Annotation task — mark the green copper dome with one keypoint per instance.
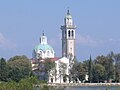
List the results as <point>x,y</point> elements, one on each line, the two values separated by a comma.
<point>43,47</point>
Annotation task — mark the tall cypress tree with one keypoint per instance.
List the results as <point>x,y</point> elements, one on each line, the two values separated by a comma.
<point>3,70</point>
<point>90,70</point>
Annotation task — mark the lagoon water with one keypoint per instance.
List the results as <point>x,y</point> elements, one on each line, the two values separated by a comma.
<point>93,88</point>
<point>83,88</point>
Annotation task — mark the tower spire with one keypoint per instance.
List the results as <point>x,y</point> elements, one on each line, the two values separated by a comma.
<point>43,33</point>
<point>68,12</point>
<point>68,36</point>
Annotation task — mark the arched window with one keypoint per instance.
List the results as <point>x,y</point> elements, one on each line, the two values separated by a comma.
<point>48,53</point>
<point>69,33</point>
<point>40,54</point>
<point>72,33</point>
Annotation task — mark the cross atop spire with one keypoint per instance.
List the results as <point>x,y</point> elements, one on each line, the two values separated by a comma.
<point>43,33</point>
<point>68,12</point>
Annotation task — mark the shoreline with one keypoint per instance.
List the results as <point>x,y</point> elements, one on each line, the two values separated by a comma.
<point>83,84</point>
<point>77,84</point>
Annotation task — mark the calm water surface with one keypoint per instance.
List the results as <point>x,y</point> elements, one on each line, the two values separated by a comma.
<point>83,88</point>
<point>93,88</point>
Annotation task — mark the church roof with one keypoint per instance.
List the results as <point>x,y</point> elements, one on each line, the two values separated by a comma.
<point>43,47</point>
<point>64,60</point>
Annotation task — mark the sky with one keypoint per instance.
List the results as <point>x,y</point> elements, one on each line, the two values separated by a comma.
<point>23,21</point>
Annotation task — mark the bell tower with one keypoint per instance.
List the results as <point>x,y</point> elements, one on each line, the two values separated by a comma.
<point>68,36</point>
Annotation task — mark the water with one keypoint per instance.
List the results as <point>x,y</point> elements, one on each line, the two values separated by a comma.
<point>93,88</point>
<point>82,88</point>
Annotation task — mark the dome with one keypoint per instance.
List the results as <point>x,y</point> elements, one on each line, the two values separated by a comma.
<point>68,16</point>
<point>43,50</point>
<point>43,47</point>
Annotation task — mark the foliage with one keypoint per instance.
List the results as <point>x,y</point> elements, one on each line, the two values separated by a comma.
<point>98,72</point>
<point>48,65</point>
<point>73,71</point>
<point>15,68</point>
<point>117,67</point>
<point>23,84</point>
<point>45,67</point>
<point>3,70</point>
<point>62,70</point>
<point>20,67</point>
<point>90,70</point>
<point>108,64</point>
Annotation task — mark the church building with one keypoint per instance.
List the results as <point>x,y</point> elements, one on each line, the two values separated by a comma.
<point>44,51</point>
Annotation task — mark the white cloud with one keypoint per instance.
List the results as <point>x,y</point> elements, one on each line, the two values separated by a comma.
<point>85,40</point>
<point>5,43</point>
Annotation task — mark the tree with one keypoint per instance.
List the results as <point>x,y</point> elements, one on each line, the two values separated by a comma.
<point>45,67</point>
<point>108,63</point>
<point>81,71</point>
<point>48,65</point>
<point>73,72</point>
<point>98,72</point>
<point>3,70</point>
<point>110,67</point>
<point>19,65</point>
<point>62,70</point>
<point>117,67</point>
<point>90,70</point>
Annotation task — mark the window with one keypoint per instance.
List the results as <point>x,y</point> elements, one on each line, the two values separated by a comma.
<point>48,53</point>
<point>72,33</point>
<point>40,54</point>
<point>69,33</point>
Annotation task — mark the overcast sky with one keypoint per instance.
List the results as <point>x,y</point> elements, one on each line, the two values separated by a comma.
<point>23,21</point>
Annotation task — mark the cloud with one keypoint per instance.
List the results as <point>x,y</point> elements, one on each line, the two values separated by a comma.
<point>85,40</point>
<point>5,43</point>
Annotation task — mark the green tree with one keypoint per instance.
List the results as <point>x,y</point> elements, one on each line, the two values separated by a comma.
<point>74,71</point>
<point>90,70</point>
<point>117,67</point>
<point>45,67</point>
<point>62,70</point>
<point>98,72</point>
<point>3,70</point>
<point>81,71</point>
<point>15,74</point>
<point>110,66</point>
<point>49,65</point>
<point>108,63</point>
<point>20,67</point>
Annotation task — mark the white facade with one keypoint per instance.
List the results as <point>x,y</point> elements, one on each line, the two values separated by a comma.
<point>61,71</point>
<point>68,36</point>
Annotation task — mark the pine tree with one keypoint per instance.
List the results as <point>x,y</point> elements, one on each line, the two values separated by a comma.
<point>90,70</point>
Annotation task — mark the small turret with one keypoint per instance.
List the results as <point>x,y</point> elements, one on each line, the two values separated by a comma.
<point>43,39</point>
